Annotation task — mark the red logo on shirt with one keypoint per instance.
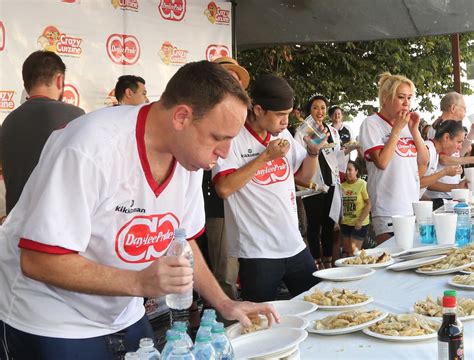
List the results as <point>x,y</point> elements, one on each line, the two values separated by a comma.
<point>272,172</point>
<point>173,10</point>
<point>145,238</point>
<point>406,147</point>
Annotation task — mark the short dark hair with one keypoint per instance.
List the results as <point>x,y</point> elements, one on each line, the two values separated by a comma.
<point>356,166</point>
<point>202,85</point>
<point>312,99</point>
<point>127,82</point>
<point>40,68</point>
<point>333,109</point>
<point>451,127</point>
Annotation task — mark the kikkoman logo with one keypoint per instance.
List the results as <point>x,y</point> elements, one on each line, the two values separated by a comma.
<point>131,5</point>
<point>216,15</point>
<point>53,40</point>
<point>171,55</point>
<point>6,100</point>
<point>215,51</point>
<point>2,36</point>
<point>173,10</point>
<point>123,49</point>
<point>71,95</point>
<point>145,238</point>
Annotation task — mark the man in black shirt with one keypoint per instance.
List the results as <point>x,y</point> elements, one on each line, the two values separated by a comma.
<point>26,129</point>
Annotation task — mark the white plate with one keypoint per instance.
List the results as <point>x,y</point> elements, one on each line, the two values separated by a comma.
<point>345,307</point>
<point>293,307</point>
<point>344,273</point>
<point>367,331</point>
<point>440,319</point>
<point>263,343</point>
<point>462,286</point>
<point>346,330</point>
<point>444,271</point>
<point>428,248</point>
<point>423,254</point>
<point>393,251</point>
<point>416,263</point>
<point>340,262</point>
<point>466,271</point>
<point>289,353</point>
<point>288,321</point>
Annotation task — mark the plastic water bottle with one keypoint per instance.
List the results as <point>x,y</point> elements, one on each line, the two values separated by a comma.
<point>181,327</point>
<point>181,351</point>
<point>172,336</point>
<point>205,326</point>
<point>221,343</point>
<point>203,350</point>
<point>180,247</point>
<point>211,314</point>
<point>147,350</point>
<point>463,227</point>
<point>132,356</point>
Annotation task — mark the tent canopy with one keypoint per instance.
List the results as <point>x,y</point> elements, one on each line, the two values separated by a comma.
<point>268,22</point>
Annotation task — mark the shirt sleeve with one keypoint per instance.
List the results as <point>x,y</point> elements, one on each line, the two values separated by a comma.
<point>365,194</point>
<point>225,166</point>
<point>58,202</point>
<point>371,137</point>
<point>194,215</point>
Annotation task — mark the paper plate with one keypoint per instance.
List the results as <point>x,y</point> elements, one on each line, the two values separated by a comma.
<point>340,262</point>
<point>346,330</point>
<point>346,307</point>
<point>264,343</point>
<point>416,263</point>
<point>423,254</point>
<point>293,307</point>
<point>445,271</point>
<point>428,248</point>
<point>369,332</point>
<point>462,286</point>
<point>288,321</point>
<point>393,251</point>
<point>344,273</point>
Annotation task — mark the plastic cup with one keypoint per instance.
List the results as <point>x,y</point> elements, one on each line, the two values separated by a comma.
<point>449,205</point>
<point>460,194</point>
<point>422,209</point>
<point>404,230</point>
<point>445,226</point>
<point>311,128</point>
<point>469,175</point>
<point>427,231</point>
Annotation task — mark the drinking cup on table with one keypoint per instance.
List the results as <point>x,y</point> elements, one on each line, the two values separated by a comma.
<point>422,209</point>
<point>445,227</point>
<point>404,230</point>
<point>469,176</point>
<point>427,231</point>
<point>459,194</point>
<point>449,205</point>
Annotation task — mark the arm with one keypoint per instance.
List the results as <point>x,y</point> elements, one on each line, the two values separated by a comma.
<point>433,178</point>
<point>423,156</point>
<point>365,212</point>
<point>74,272</point>
<point>438,186</point>
<point>467,143</point>
<point>207,286</point>
<point>455,160</point>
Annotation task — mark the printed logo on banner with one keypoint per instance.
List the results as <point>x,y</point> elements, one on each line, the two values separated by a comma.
<point>53,40</point>
<point>216,51</point>
<point>272,172</point>
<point>71,95</point>
<point>216,15</point>
<point>7,103</point>
<point>131,5</point>
<point>123,49</point>
<point>2,36</point>
<point>111,100</point>
<point>145,238</point>
<point>173,10</point>
<point>171,55</point>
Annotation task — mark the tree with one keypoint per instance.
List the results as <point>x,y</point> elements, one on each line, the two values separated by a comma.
<point>347,73</point>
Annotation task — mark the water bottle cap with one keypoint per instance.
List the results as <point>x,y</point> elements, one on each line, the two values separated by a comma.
<point>146,342</point>
<point>217,328</point>
<point>209,313</point>
<point>181,326</point>
<point>131,356</point>
<point>449,293</point>
<point>206,321</point>
<point>180,232</point>
<point>172,335</point>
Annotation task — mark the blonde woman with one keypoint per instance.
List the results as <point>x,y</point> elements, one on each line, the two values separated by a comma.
<point>393,147</point>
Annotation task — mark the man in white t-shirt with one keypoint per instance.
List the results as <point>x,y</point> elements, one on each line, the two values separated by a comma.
<point>85,243</point>
<point>257,183</point>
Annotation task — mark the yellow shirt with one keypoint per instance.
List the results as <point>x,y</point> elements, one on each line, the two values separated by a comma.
<point>353,196</point>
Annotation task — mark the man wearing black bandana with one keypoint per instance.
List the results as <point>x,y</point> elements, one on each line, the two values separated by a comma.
<point>257,182</point>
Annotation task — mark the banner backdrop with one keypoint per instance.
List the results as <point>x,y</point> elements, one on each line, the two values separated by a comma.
<point>99,40</point>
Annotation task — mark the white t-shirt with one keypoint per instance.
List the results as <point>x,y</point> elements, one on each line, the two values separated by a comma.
<point>93,193</point>
<point>261,218</point>
<point>392,190</point>
<point>433,163</point>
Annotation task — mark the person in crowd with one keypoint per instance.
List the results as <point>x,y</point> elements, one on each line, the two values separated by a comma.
<point>26,129</point>
<point>323,209</point>
<point>86,240</point>
<point>393,148</point>
<point>345,133</point>
<point>453,107</point>
<point>131,90</point>
<point>448,140</point>
<point>424,129</point>
<point>356,208</point>
<point>256,182</point>
<point>224,267</point>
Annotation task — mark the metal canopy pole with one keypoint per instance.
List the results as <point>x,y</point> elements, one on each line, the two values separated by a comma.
<point>456,55</point>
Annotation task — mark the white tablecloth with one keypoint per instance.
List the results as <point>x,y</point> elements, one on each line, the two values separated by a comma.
<point>393,292</point>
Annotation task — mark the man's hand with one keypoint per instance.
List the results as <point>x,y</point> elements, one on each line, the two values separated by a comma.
<point>241,310</point>
<point>276,149</point>
<point>463,184</point>
<point>453,170</point>
<point>166,275</point>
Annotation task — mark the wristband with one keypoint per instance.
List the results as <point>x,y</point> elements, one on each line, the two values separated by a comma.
<point>312,155</point>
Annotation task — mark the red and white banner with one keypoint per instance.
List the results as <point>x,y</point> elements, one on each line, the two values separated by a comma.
<point>100,40</point>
